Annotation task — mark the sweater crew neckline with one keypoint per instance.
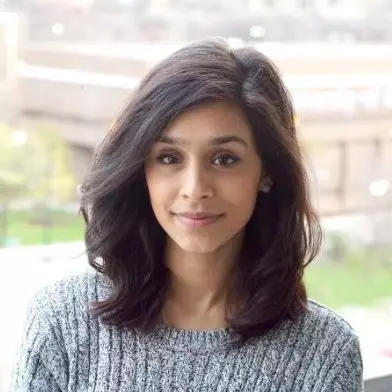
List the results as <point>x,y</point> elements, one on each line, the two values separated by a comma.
<point>185,340</point>
<point>173,339</point>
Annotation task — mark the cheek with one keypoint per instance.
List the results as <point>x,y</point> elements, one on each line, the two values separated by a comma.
<point>246,202</point>
<point>160,192</point>
<point>242,199</point>
<point>242,190</point>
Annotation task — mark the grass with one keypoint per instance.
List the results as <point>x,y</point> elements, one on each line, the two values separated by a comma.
<point>43,226</point>
<point>363,278</point>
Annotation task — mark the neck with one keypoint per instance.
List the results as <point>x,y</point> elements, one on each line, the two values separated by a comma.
<point>199,286</point>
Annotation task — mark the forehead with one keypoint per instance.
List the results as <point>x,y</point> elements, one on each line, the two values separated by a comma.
<point>210,120</point>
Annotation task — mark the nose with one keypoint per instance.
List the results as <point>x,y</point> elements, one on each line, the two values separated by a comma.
<point>196,184</point>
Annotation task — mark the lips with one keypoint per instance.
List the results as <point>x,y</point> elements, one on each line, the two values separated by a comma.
<point>197,215</point>
<point>195,220</point>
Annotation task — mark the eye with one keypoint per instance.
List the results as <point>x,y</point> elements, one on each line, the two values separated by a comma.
<point>225,160</point>
<point>168,159</point>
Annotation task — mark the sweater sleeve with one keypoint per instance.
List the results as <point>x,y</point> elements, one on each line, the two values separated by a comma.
<point>346,373</point>
<point>41,364</point>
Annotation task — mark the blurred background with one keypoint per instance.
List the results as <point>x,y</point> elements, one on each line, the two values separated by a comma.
<point>68,66</point>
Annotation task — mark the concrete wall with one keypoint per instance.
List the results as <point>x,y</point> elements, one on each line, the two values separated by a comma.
<point>9,53</point>
<point>136,59</point>
<point>81,89</point>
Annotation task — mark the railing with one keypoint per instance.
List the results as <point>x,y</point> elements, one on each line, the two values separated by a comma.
<point>352,175</point>
<point>380,384</point>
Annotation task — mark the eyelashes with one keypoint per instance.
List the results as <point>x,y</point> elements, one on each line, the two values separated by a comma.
<point>222,159</point>
<point>226,160</point>
<point>168,159</point>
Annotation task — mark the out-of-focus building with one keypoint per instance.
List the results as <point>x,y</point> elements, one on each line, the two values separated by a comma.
<point>342,94</point>
<point>89,68</point>
<point>162,20</point>
<point>9,55</point>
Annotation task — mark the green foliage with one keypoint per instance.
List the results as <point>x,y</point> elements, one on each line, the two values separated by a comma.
<point>12,181</point>
<point>40,226</point>
<point>336,246</point>
<point>37,168</point>
<point>362,278</point>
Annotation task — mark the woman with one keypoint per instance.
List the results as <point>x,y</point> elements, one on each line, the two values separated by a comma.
<point>199,227</point>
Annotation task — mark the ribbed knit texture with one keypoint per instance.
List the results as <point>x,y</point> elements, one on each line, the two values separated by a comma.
<point>65,349</point>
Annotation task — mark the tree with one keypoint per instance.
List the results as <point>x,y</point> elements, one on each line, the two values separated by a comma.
<point>12,182</point>
<point>49,174</point>
<point>34,165</point>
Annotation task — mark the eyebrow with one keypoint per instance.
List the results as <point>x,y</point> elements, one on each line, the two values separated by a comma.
<point>217,141</point>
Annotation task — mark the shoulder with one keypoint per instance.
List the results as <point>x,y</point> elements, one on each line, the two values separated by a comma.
<point>72,295</point>
<point>320,317</point>
<point>338,350</point>
<point>319,333</point>
<point>319,313</point>
<point>56,326</point>
<point>335,339</point>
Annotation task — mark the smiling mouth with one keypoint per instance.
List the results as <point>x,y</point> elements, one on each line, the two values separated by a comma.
<point>196,220</point>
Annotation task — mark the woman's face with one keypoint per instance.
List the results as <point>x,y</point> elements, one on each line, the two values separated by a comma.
<point>203,177</point>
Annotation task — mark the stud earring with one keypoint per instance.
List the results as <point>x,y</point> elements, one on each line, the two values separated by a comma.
<point>266,185</point>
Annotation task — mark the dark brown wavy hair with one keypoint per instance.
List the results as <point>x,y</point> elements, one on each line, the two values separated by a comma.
<point>123,238</point>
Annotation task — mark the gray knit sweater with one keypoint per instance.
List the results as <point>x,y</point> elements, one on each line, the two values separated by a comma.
<point>65,349</point>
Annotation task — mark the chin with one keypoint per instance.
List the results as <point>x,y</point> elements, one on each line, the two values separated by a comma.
<point>198,246</point>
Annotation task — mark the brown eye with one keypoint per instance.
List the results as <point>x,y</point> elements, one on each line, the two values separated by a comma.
<point>225,160</point>
<point>168,159</point>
